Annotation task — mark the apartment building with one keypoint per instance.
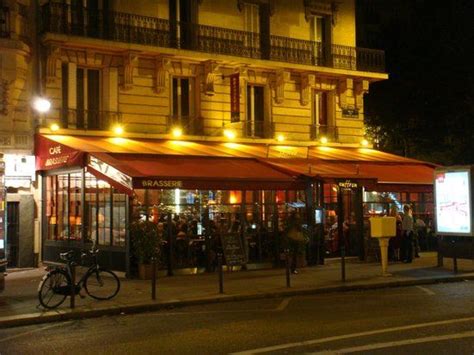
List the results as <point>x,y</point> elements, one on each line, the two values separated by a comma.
<point>208,112</point>
<point>17,187</point>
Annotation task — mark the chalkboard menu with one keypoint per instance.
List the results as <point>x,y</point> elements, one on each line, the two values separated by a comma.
<point>233,249</point>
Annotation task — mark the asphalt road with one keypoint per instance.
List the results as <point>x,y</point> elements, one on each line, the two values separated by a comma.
<point>436,319</point>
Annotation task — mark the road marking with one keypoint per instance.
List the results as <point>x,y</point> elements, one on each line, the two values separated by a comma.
<point>393,344</point>
<point>283,305</point>
<point>34,331</point>
<point>426,290</point>
<point>353,335</point>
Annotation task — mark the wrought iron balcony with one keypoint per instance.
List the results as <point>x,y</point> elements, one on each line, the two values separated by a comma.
<point>122,27</point>
<point>189,125</point>
<point>4,22</point>
<point>257,129</point>
<point>89,119</point>
<point>320,131</point>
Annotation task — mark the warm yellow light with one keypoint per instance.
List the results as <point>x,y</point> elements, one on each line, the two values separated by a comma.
<point>229,134</point>
<point>177,132</point>
<point>41,105</point>
<point>232,200</point>
<point>364,142</point>
<point>280,138</point>
<point>118,130</point>
<point>54,127</point>
<point>323,140</point>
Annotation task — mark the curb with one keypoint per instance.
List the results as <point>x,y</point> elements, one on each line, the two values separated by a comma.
<point>65,315</point>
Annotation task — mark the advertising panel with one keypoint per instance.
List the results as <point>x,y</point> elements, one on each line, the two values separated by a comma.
<point>453,201</point>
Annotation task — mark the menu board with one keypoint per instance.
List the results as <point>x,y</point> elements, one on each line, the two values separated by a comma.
<point>233,249</point>
<point>453,201</point>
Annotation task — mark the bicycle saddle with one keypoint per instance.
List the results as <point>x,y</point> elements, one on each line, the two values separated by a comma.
<point>67,256</point>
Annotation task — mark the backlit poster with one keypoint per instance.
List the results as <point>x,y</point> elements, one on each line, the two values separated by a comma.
<point>453,202</point>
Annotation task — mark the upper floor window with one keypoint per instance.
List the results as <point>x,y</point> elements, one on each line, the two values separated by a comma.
<point>255,125</point>
<point>183,15</point>
<point>251,18</point>
<point>321,116</point>
<point>183,104</point>
<point>81,98</point>
<point>320,35</point>
<point>257,25</point>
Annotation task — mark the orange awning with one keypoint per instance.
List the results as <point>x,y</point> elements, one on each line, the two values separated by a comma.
<point>142,158</point>
<point>165,171</point>
<point>396,176</point>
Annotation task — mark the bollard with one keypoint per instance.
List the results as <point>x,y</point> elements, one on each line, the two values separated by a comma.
<point>73,285</point>
<point>221,273</point>
<point>287,262</point>
<point>153,278</point>
<point>455,258</point>
<point>343,263</point>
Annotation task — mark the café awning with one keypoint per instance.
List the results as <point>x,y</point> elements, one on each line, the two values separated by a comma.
<point>375,176</point>
<point>126,169</point>
<point>224,173</point>
<point>376,170</point>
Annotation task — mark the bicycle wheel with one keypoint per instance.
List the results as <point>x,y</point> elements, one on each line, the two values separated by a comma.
<point>102,284</point>
<point>54,288</point>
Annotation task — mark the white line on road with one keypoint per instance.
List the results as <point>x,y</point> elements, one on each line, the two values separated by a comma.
<point>426,290</point>
<point>392,344</point>
<point>34,331</point>
<point>353,335</point>
<point>283,304</point>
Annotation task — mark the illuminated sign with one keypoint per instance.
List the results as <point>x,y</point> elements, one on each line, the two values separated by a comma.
<point>109,171</point>
<point>347,185</point>
<point>453,201</point>
<point>19,170</point>
<point>175,184</point>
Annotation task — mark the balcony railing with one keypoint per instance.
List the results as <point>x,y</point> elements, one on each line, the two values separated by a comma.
<point>4,22</point>
<point>122,27</point>
<point>320,131</point>
<point>89,119</point>
<point>257,129</point>
<point>189,125</point>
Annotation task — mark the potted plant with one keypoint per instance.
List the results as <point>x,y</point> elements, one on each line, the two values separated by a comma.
<point>145,245</point>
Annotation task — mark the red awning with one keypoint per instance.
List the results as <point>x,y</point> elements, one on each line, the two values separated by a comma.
<point>388,176</point>
<point>162,171</point>
<point>148,161</point>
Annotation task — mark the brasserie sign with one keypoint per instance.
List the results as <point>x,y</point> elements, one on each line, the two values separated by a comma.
<point>153,183</point>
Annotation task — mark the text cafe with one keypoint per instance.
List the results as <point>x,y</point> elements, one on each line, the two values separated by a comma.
<point>199,193</point>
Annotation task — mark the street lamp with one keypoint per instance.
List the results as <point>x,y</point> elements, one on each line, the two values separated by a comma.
<point>41,105</point>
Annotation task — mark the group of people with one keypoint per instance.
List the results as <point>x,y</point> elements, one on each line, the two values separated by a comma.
<point>405,245</point>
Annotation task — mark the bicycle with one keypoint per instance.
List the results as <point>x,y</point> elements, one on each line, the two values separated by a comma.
<point>56,285</point>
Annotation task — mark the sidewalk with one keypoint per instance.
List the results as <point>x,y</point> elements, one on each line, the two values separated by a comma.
<point>19,303</point>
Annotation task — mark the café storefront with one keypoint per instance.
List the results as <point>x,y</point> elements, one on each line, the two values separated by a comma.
<point>93,187</point>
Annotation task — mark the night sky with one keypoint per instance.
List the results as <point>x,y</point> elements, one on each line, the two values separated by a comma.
<point>426,108</point>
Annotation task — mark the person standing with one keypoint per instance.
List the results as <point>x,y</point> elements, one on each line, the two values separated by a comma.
<point>407,234</point>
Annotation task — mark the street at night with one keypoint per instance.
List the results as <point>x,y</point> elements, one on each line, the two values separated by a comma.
<point>435,319</point>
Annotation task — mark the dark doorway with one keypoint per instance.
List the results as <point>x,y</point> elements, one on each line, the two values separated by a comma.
<point>13,233</point>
